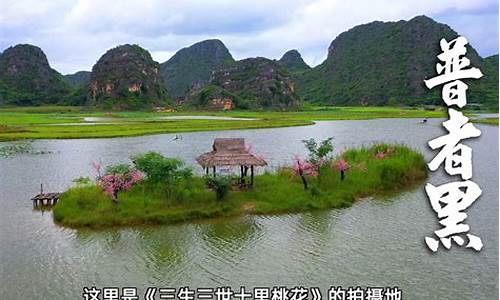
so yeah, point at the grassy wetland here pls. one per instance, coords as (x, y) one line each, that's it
(60, 122)
(489, 121)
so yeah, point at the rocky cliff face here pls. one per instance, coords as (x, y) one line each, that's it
(126, 77)
(26, 77)
(380, 63)
(292, 60)
(250, 83)
(193, 66)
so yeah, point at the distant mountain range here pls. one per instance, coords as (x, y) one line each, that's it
(380, 63)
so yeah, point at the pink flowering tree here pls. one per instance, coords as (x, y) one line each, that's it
(304, 168)
(117, 178)
(341, 165)
(97, 169)
(380, 155)
(383, 152)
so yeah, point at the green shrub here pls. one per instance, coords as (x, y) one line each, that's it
(82, 181)
(120, 169)
(167, 171)
(159, 168)
(319, 153)
(219, 184)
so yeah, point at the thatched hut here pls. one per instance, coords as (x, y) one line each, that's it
(230, 152)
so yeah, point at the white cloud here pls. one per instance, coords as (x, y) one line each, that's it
(74, 34)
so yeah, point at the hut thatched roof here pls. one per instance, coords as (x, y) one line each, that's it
(229, 152)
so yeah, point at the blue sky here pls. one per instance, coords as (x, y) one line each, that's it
(75, 33)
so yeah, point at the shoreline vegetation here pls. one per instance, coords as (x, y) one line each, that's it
(65, 122)
(169, 193)
(488, 121)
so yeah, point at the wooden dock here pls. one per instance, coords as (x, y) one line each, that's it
(45, 199)
(48, 199)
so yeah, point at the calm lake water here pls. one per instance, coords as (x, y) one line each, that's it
(373, 243)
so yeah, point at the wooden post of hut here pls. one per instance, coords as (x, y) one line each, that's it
(231, 152)
(251, 175)
(242, 175)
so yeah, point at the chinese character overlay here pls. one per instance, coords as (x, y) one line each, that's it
(450, 200)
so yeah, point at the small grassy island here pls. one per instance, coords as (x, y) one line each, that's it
(160, 190)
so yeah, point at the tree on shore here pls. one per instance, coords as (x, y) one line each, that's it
(117, 178)
(304, 168)
(162, 170)
(342, 165)
(319, 154)
(219, 184)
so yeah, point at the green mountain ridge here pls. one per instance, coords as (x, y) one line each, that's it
(26, 78)
(78, 79)
(292, 60)
(379, 63)
(485, 90)
(193, 66)
(254, 83)
(126, 77)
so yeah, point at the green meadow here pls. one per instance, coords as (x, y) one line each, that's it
(59, 122)
(190, 199)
